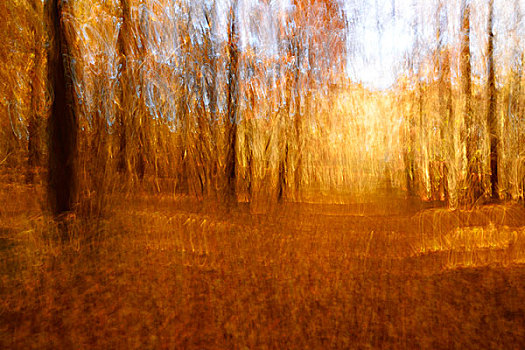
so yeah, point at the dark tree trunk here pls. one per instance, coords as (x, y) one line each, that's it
(491, 108)
(231, 101)
(123, 85)
(282, 175)
(248, 143)
(283, 145)
(62, 123)
(410, 156)
(298, 117)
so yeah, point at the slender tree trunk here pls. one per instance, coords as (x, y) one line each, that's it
(421, 142)
(410, 153)
(62, 123)
(248, 141)
(520, 109)
(213, 165)
(297, 116)
(231, 101)
(282, 174)
(122, 113)
(283, 142)
(442, 74)
(491, 108)
(466, 80)
(450, 188)
(445, 102)
(185, 141)
(468, 135)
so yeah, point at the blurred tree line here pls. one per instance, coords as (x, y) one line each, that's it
(250, 100)
(465, 99)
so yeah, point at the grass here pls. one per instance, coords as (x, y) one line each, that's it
(175, 273)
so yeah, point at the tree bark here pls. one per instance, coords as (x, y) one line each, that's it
(469, 133)
(62, 123)
(231, 101)
(466, 80)
(491, 108)
(122, 119)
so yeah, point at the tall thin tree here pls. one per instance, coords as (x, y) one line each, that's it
(62, 123)
(491, 101)
(232, 101)
(446, 110)
(467, 135)
(122, 113)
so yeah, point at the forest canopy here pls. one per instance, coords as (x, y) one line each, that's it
(253, 100)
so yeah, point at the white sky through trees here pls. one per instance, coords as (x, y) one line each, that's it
(385, 37)
(385, 34)
(379, 35)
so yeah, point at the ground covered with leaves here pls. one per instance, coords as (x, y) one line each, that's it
(169, 272)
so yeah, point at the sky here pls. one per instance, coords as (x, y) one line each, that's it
(378, 40)
(383, 34)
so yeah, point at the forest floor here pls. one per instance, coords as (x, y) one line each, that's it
(176, 273)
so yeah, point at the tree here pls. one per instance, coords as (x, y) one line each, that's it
(468, 135)
(232, 101)
(205, 90)
(62, 123)
(312, 39)
(446, 109)
(122, 113)
(415, 65)
(491, 107)
(515, 107)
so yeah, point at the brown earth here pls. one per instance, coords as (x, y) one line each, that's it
(176, 273)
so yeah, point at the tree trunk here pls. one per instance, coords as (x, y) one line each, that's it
(231, 101)
(466, 80)
(62, 123)
(297, 117)
(122, 113)
(491, 108)
(445, 102)
(468, 135)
